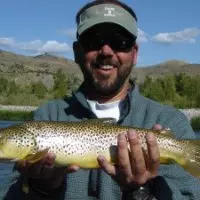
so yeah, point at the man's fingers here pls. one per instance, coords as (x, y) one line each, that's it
(48, 160)
(36, 169)
(137, 157)
(106, 166)
(33, 169)
(72, 168)
(153, 152)
(157, 127)
(123, 161)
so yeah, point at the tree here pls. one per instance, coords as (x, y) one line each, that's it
(39, 89)
(169, 87)
(72, 83)
(13, 88)
(60, 88)
(153, 89)
(3, 84)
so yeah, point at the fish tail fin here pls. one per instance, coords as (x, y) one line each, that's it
(192, 157)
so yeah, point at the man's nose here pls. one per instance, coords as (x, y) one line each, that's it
(106, 50)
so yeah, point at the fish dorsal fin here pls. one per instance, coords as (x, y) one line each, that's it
(101, 120)
(166, 131)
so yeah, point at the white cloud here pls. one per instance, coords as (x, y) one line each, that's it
(6, 41)
(142, 36)
(187, 35)
(54, 46)
(36, 46)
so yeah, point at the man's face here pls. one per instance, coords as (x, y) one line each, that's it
(109, 55)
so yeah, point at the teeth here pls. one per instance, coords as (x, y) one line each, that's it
(106, 67)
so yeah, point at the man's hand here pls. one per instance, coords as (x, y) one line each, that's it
(135, 167)
(44, 175)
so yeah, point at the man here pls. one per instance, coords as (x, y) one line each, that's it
(106, 51)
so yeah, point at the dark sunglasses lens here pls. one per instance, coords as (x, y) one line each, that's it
(116, 41)
(91, 42)
(119, 42)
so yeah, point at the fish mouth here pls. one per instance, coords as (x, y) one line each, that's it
(4, 159)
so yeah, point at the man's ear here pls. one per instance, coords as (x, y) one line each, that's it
(135, 54)
(78, 53)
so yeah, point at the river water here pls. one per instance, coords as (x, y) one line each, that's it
(6, 169)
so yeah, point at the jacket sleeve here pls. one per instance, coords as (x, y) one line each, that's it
(47, 112)
(11, 189)
(175, 184)
(173, 178)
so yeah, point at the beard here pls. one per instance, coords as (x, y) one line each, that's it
(105, 85)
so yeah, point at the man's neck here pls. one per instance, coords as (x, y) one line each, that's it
(119, 95)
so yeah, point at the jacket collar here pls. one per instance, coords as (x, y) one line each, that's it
(81, 102)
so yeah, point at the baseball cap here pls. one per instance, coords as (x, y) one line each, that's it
(106, 13)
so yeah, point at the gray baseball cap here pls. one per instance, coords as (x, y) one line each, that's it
(106, 13)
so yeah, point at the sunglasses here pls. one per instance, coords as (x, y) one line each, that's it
(118, 41)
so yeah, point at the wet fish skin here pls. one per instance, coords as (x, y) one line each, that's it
(81, 142)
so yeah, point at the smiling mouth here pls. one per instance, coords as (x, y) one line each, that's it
(105, 67)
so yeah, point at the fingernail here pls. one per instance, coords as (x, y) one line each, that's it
(75, 168)
(100, 158)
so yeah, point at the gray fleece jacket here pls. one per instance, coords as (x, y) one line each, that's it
(172, 183)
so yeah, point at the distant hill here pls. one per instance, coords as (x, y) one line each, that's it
(170, 67)
(25, 69)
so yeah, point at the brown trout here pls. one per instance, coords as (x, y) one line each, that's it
(81, 142)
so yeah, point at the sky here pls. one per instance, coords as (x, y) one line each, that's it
(167, 29)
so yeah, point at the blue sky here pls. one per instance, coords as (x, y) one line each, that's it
(167, 29)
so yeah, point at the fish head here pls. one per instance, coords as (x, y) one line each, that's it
(14, 145)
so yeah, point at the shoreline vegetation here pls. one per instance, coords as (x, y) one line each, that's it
(25, 113)
(179, 90)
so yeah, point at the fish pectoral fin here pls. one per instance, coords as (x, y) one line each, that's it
(167, 157)
(166, 160)
(167, 132)
(33, 158)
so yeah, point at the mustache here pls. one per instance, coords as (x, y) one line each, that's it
(105, 61)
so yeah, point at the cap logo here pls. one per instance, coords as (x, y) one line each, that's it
(109, 12)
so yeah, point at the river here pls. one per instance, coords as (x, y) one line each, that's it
(6, 169)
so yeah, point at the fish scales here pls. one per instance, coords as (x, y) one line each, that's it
(81, 142)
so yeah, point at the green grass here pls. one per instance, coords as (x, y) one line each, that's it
(15, 115)
(195, 122)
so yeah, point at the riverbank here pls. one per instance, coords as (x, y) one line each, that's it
(190, 113)
(10, 112)
(17, 108)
